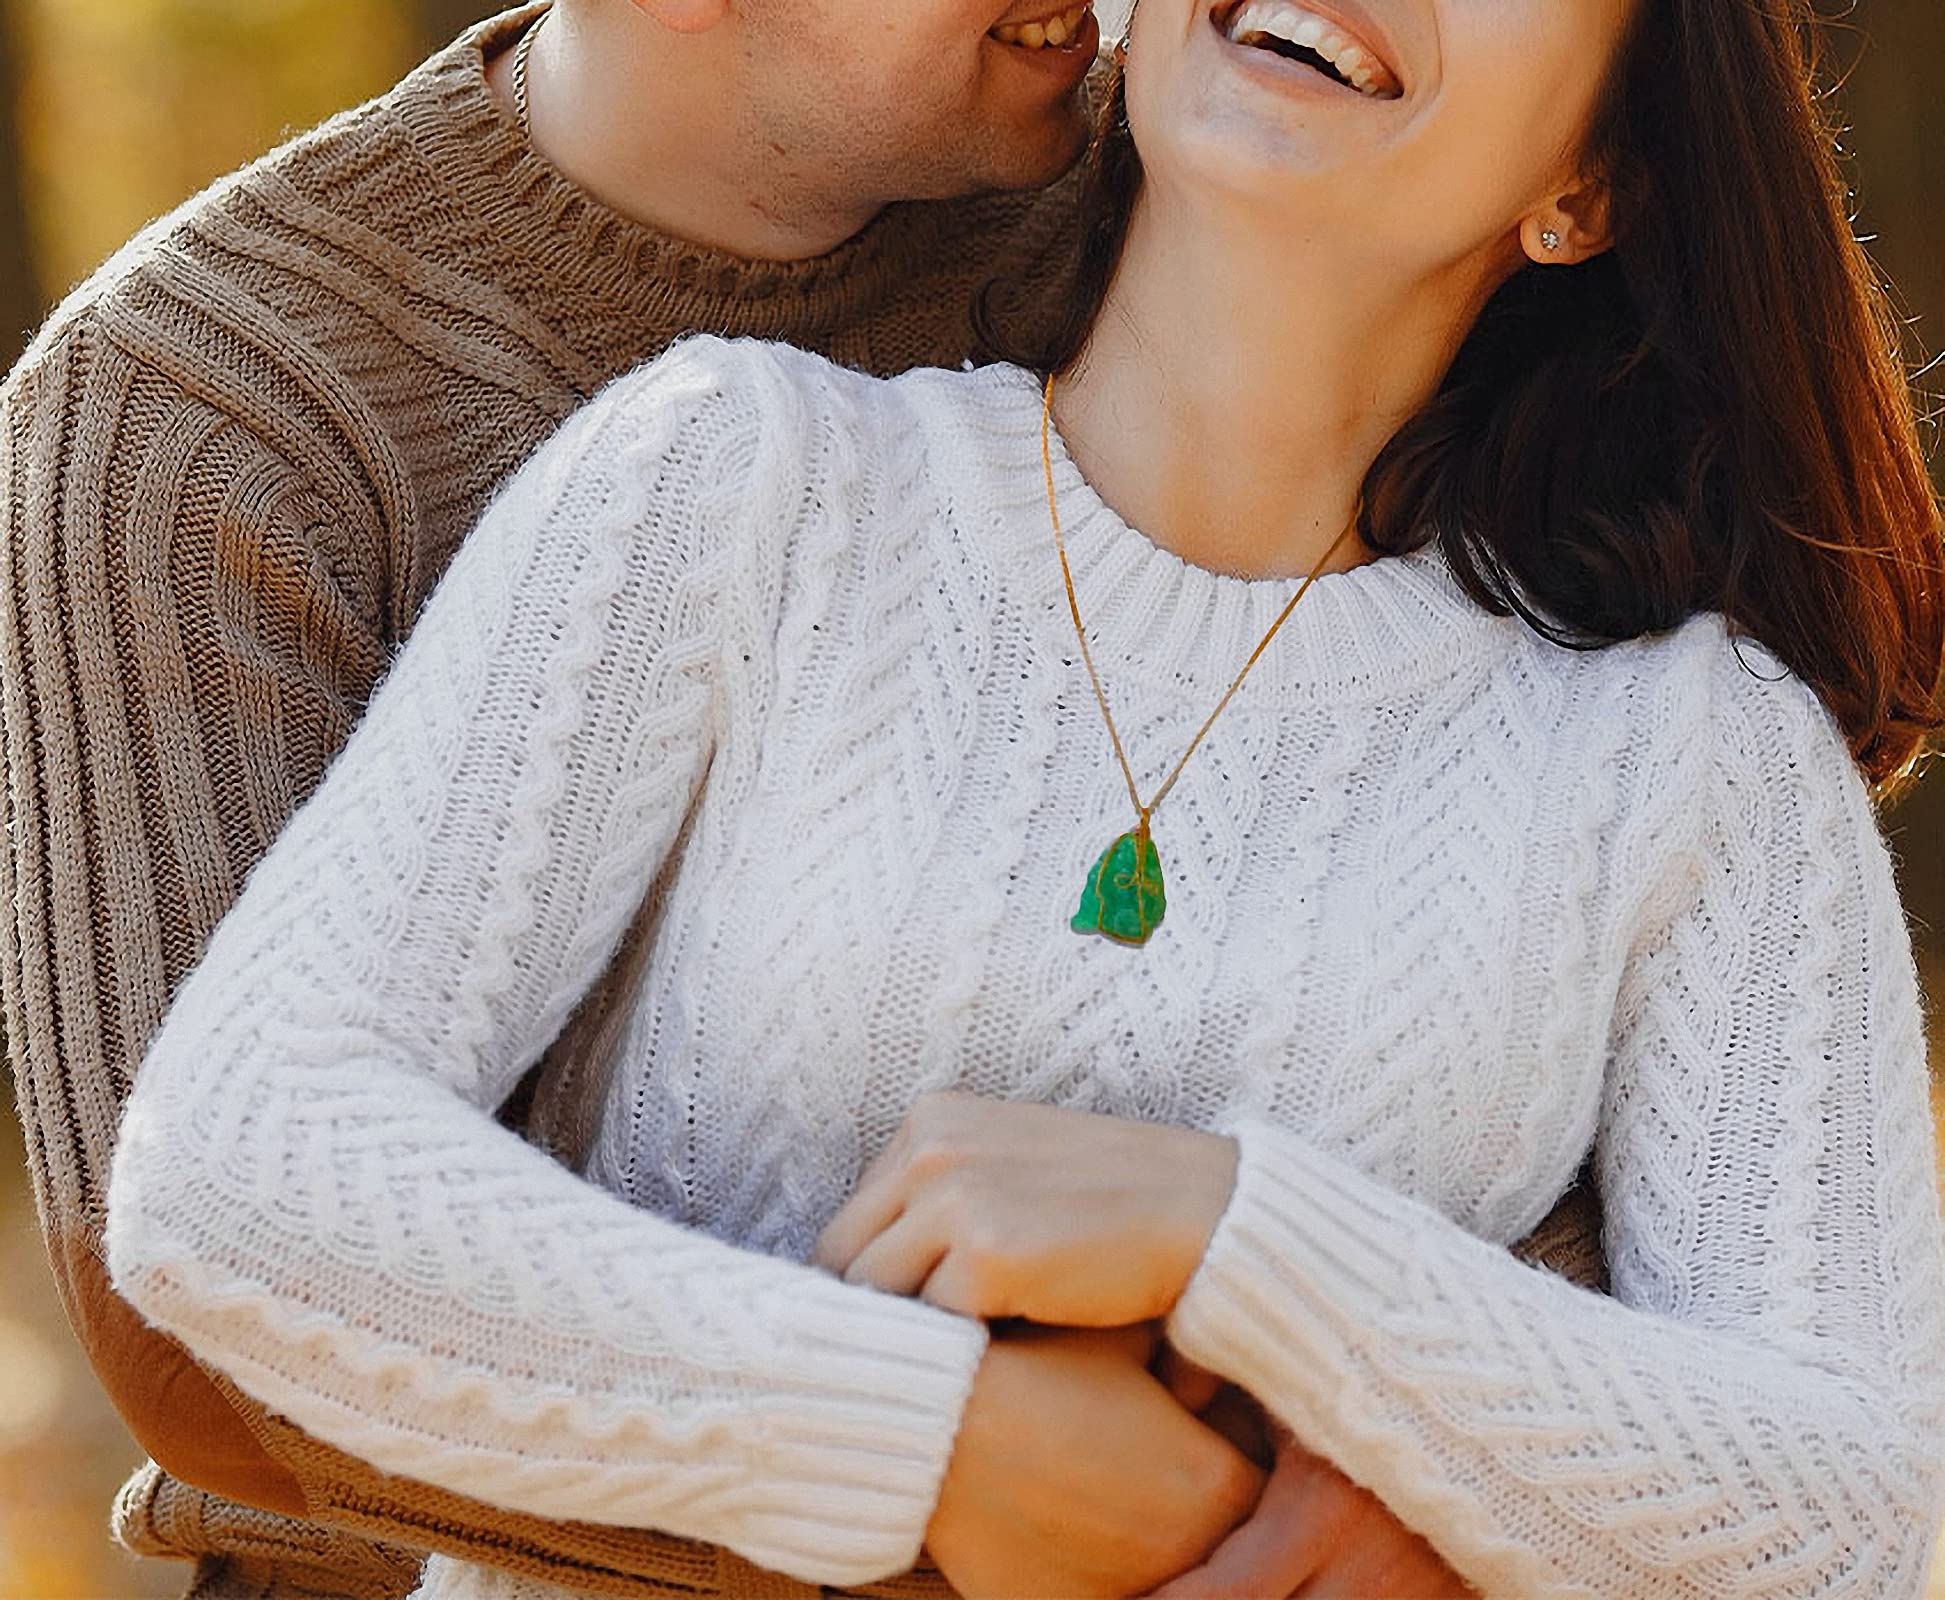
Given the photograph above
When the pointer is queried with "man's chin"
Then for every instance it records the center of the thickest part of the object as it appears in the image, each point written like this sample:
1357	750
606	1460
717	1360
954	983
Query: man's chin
1012	162
1062	152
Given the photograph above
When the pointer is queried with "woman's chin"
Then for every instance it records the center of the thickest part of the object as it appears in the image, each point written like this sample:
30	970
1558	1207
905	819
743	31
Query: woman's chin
1242	115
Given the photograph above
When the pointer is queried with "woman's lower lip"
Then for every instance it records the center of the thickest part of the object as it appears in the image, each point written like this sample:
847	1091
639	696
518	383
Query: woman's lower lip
1073	59
1290	76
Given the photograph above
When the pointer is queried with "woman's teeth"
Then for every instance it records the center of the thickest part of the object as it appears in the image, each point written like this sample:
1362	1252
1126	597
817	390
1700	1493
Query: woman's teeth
1259	22
1054	31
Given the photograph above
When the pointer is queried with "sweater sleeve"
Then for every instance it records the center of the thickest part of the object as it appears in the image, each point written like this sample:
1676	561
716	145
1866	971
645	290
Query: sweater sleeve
191	611
310	1190
1757	1410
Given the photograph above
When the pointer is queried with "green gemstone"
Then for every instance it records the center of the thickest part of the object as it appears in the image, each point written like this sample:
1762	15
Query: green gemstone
1123	899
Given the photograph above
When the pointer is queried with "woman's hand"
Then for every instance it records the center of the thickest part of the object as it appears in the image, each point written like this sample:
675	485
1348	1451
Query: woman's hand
1317	1535
1006	1209
1314	1533
997	1208
1076	1473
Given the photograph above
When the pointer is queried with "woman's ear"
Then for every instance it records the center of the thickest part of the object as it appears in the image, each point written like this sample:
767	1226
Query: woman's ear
683	16
1574	226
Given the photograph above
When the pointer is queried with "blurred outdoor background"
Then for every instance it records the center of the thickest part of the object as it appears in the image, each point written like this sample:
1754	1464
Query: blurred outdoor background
111	111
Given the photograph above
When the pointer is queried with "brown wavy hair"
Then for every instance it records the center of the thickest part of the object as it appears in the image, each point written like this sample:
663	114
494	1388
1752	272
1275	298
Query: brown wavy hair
1716	414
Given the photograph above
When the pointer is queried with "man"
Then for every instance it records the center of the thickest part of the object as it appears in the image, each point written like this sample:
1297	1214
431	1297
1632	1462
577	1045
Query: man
237	461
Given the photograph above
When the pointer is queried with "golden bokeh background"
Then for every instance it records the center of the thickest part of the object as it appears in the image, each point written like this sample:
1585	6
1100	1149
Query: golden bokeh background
113	111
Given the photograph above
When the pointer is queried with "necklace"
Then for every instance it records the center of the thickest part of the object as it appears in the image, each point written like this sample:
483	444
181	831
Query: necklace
520	53
1123	898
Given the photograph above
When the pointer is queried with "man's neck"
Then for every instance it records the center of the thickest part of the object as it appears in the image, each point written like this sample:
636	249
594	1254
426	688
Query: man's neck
672	159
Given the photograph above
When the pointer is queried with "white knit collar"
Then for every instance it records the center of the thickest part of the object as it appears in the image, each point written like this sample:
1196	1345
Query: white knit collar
1150	615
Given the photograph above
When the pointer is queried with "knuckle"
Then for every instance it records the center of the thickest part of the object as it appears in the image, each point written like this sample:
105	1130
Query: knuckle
980	1235
929	1153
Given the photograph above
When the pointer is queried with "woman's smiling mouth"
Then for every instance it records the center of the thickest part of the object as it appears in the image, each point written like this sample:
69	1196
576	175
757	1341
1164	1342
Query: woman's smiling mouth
1332	49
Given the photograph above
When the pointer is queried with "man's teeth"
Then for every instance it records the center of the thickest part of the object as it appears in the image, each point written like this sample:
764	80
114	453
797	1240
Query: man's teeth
1055	31
1256	20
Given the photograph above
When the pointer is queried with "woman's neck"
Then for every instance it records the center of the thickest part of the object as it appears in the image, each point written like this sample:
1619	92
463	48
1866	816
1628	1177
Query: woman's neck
1238	388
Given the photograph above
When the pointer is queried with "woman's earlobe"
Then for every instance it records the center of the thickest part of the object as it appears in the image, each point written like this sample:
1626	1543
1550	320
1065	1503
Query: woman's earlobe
1575	228
1566	236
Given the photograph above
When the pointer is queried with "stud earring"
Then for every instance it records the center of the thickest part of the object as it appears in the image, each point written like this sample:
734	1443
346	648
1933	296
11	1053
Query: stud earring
1549	239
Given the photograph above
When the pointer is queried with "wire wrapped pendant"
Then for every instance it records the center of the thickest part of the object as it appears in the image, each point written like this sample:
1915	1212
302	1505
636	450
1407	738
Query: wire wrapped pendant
1124	899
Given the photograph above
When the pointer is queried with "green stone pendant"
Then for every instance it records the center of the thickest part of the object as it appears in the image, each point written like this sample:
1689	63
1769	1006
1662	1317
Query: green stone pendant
1123	899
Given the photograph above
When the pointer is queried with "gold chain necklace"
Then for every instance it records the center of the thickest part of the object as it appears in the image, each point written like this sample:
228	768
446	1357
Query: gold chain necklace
1123	898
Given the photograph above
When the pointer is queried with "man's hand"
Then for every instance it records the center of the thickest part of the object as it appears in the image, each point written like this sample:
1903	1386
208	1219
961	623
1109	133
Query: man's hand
1076	1473
1314	1533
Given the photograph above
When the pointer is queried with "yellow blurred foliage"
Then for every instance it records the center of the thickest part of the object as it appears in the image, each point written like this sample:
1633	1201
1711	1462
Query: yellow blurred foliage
129	105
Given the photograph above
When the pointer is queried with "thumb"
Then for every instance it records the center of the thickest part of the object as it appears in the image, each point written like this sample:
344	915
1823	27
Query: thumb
1282	1543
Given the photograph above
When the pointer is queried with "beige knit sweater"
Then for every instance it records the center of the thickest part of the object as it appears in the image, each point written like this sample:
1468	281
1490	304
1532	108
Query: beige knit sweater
235	463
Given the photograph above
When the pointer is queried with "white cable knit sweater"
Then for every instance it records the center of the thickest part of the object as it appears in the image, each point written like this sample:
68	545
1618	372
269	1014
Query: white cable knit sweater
1448	905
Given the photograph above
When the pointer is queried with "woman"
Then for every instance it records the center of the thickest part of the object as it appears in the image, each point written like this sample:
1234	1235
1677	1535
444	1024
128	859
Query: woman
1474	331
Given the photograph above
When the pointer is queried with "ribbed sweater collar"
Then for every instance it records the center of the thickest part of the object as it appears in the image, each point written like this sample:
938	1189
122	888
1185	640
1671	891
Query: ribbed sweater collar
1378	629
1150	616
580	249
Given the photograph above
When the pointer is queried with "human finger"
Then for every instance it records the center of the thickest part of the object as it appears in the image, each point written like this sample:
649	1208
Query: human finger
900	1259
1373	1553
873	1206
1385	1568
1280	1545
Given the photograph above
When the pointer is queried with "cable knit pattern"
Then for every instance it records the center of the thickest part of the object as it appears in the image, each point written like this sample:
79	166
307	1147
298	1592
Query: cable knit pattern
1449	908
233	465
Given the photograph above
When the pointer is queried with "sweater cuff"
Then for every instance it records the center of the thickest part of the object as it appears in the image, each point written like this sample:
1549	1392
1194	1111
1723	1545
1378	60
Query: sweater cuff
849	1474
1297	1272
1319	1294
851	1435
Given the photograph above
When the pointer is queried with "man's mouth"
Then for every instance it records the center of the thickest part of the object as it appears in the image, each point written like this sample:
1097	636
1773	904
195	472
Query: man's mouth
1058	30
1328	47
